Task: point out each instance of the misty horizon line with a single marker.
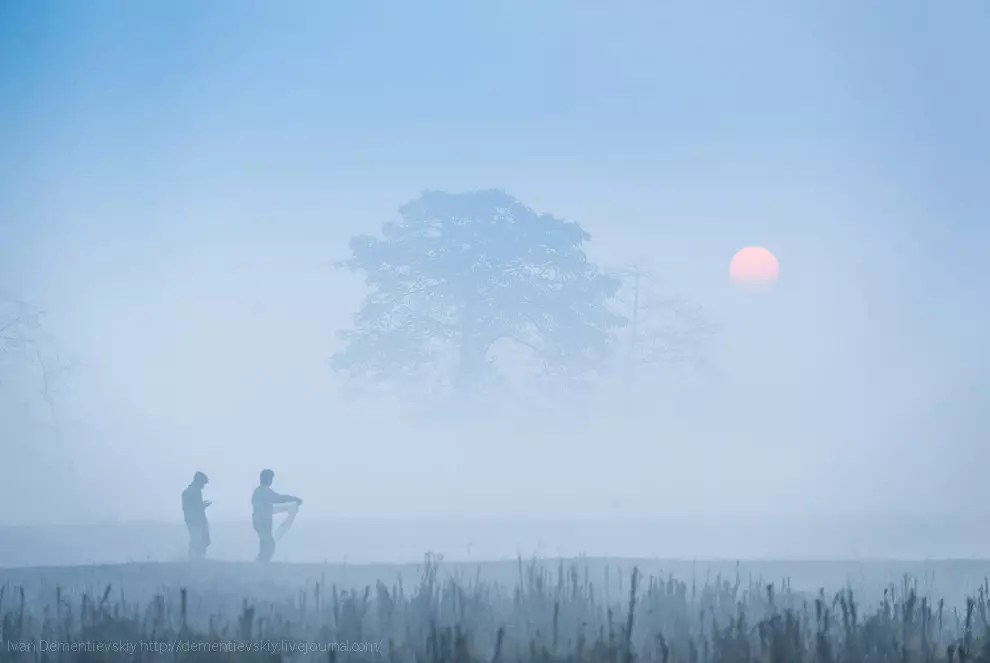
(690, 519)
(407, 541)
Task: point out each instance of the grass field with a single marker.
(578, 609)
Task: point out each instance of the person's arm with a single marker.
(278, 498)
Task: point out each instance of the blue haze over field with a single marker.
(177, 178)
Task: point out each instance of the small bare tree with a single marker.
(662, 330)
(19, 325)
(22, 339)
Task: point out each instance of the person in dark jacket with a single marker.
(263, 502)
(194, 510)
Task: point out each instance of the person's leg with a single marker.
(203, 541)
(266, 542)
(192, 540)
(259, 530)
(268, 546)
(195, 542)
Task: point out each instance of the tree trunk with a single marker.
(466, 377)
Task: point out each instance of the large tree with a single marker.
(461, 273)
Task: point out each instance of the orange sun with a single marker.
(753, 265)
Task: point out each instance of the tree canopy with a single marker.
(460, 273)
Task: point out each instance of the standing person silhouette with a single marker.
(194, 511)
(263, 502)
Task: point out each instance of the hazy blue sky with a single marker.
(176, 178)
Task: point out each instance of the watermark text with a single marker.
(287, 647)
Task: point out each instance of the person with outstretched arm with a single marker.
(194, 511)
(263, 502)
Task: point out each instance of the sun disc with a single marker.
(754, 265)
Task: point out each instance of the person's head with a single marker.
(267, 476)
(200, 479)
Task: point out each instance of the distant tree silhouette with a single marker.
(461, 272)
(665, 334)
(22, 340)
(19, 325)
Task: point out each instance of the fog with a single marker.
(177, 184)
